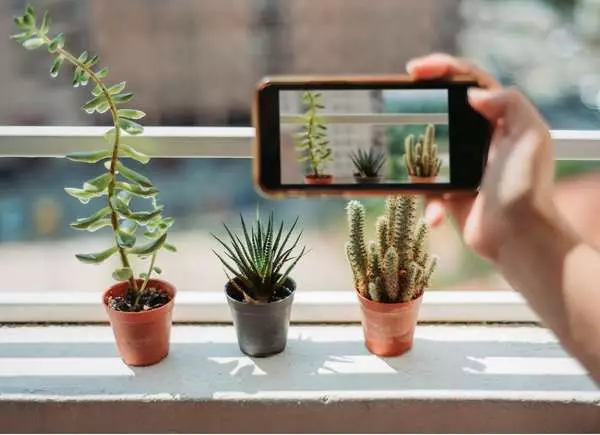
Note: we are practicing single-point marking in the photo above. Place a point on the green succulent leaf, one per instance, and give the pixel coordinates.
(122, 98)
(82, 195)
(57, 43)
(93, 61)
(102, 73)
(131, 114)
(170, 247)
(97, 184)
(111, 135)
(129, 151)
(84, 57)
(33, 43)
(103, 107)
(131, 127)
(46, 22)
(85, 223)
(137, 190)
(142, 217)
(58, 63)
(117, 89)
(132, 175)
(120, 206)
(89, 156)
(122, 274)
(125, 239)
(128, 226)
(97, 91)
(91, 106)
(150, 247)
(157, 269)
(98, 257)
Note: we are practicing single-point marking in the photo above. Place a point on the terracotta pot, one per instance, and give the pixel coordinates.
(415, 179)
(322, 179)
(389, 329)
(261, 329)
(143, 337)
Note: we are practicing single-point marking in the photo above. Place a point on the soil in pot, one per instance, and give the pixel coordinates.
(142, 337)
(321, 179)
(389, 328)
(416, 180)
(262, 329)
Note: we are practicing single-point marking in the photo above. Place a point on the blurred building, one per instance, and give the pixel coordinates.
(193, 62)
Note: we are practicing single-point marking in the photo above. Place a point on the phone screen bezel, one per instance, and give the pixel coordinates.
(469, 137)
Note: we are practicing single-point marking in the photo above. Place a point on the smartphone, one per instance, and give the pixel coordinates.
(367, 135)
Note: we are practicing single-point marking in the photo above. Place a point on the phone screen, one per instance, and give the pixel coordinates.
(404, 137)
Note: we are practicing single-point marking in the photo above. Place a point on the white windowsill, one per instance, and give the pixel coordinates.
(65, 378)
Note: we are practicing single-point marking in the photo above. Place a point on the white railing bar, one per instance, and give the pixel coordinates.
(372, 118)
(207, 142)
(309, 307)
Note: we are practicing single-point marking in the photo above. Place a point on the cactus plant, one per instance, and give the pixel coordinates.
(311, 143)
(367, 163)
(420, 158)
(395, 267)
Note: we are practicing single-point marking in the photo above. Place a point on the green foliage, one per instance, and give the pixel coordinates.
(421, 159)
(311, 143)
(261, 259)
(367, 163)
(395, 267)
(119, 182)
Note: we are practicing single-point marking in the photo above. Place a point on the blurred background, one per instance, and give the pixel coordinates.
(195, 63)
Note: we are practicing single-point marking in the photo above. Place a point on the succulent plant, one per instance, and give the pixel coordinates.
(367, 163)
(396, 267)
(117, 184)
(262, 260)
(311, 143)
(421, 159)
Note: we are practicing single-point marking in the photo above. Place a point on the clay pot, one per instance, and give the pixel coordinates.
(389, 329)
(261, 329)
(415, 179)
(143, 337)
(321, 179)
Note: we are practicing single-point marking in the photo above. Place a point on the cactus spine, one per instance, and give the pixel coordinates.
(396, 267)
(420, 158)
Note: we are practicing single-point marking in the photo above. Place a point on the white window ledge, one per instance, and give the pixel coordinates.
(463, 379)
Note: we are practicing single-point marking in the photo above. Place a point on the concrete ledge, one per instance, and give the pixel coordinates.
(466, 379)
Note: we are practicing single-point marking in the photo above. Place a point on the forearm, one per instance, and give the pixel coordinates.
(559, 275)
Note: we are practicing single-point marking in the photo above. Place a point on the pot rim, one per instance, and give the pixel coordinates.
(389, 304)
(314, 177)
(163, 285)
(416, 177)
(268, 304)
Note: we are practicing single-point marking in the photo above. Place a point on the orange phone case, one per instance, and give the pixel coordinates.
(332, 191)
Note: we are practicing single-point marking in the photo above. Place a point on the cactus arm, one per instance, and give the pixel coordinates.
(375, 293)
(390, 274)
(381, 227)
(391, 209)
(373, 267)
(409, 154)
(358, 249)
(420, 242)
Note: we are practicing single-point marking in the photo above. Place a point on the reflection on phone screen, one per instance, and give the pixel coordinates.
(364, 136)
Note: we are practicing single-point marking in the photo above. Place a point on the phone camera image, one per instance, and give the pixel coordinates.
(364, 137)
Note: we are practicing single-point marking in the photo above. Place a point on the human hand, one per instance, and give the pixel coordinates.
(518, 181)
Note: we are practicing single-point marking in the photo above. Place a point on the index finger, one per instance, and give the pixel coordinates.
(440, 65)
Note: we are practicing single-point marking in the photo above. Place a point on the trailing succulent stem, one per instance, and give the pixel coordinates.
(312, 143)
(118, 183)
(395, 267)
(368, 164)
(261, 260)
(421, 158)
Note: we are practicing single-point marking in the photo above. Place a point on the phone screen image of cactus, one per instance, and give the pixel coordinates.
(311, 143)
(117, 184)
(396, 267)
(421, 158)
(261, 260)
(368, 164)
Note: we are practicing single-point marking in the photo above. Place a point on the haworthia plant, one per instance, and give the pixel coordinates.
(311, 143)
(396, 266)
(421, 158)
(118, 184)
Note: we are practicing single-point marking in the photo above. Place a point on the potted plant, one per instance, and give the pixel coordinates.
(311, 143)
(390, 274)
(421, 160)
(139, 306)
(260, 292)
(368, 165)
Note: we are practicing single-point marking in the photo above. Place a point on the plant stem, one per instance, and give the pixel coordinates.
(149, 273)
(115, 154)
(311, 132)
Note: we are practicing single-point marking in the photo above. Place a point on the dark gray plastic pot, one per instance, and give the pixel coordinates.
(261, 329)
